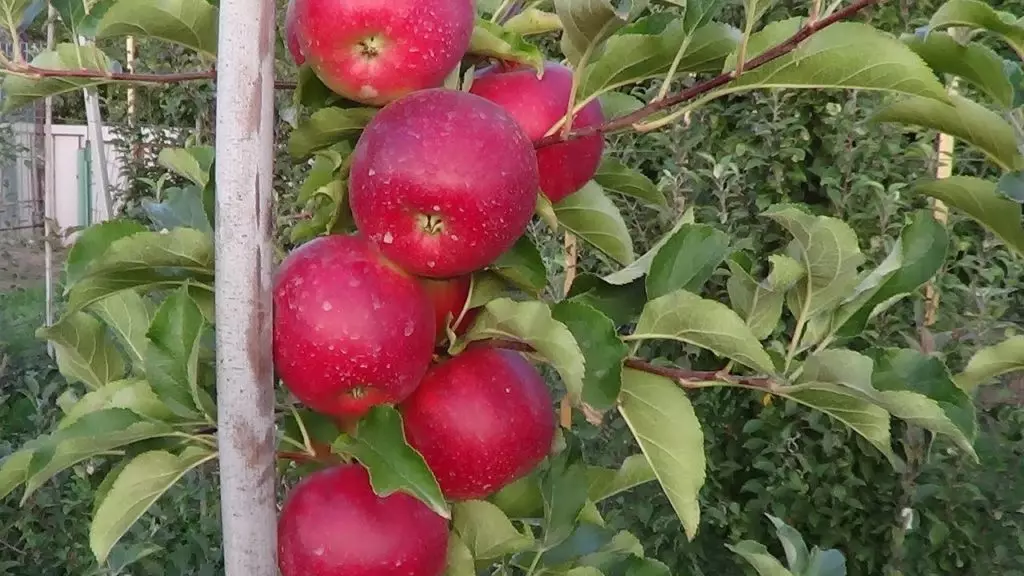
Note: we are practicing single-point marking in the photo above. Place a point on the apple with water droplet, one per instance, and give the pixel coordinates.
(373, 52)
(333, 524)
(443, 181)
(537, 104)
(481, 420)
(351, 329)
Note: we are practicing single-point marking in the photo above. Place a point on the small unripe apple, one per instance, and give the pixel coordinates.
(443, 181)
(481, 420)
(291, 37)
(449, 298)
(333, 524)
(537, 104)
(351, 329)
(374, 51)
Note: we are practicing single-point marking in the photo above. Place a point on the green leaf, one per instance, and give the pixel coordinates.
(974, 62)
(606, 482)
(91, 435)
(193, 162)
(190, 23)
(81, 19)
(147, 260)
(84, 349)
(180, 207)
(172, 358)
(523, 266)
(602, 349)
(486, 531)
(797, 555)
(487, 286)
(620, 302)
(1011, 186)
(14, 471)
(326, 127)
(460, 559)
(991, 362)
(560, 490)
(531, 322)
(708, 324)
(20, 90)
(521, 498)
(588, 23)
(664, 424)
(646, 50)
(980, 200)
(965, 119)
(828, 249)
(136, 488)
(533, 21)
(699, 13)
(93, 242)
(642, 265)
(829, 562)
(687, 260)
(754, 10)
(593, 217)
(379, 443)
(845, 55)
(586, 538)
(978, 14)
(134, 395)
(12, 12)
(128, 315)
(758, 556)
(760, 303)
(614, 176)
(493, 41)
(615, 104)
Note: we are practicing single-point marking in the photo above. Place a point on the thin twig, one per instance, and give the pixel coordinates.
(702, 88)
(30, 71)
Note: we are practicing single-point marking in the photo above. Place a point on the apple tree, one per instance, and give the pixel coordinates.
(414, 317)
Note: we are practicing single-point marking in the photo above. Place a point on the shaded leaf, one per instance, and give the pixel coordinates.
(93, 242)
(602, 349)
(758, 556)
(172, 358)
(587, 538)
(615, 104)
(588, 23)
(460, 559)
(639, 267)
(978, 14)
(1011, 186)
(797, 555)
(560, 489)
(523, 266)
(606, 482)
(494, 41)
(687, 260)
(80, 17)
(614, 176)
(991, 362)
(190, 23)
(973, 62)
(181, 207)
(760, 303)
(980, 200)
(521, 498)
(85, 351)
(486, 531)
(328, 126)
(620, 302)
(594, 218)
(21, 90)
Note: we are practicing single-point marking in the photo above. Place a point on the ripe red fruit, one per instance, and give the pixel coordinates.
(481, 420)
(374, 52)
(449, 297)
(351, 330)
(291, 36)
(443, 181)
(537, 104)
(333, 524)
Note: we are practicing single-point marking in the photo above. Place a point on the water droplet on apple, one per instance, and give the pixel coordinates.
(327, 306)
(388, 238)
(409, 328)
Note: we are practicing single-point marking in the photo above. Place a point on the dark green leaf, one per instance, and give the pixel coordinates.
(585, 539)
(1011, 186)
(523, 266)
(181, 207)
(190, 23)
(560, 489)
(326, 127)
(980, 200)
(620, 302)
(614, 176)
(593, 217)
(760, 303)
(172, 358)
(687, 260)
(602, 349)
(521, 499)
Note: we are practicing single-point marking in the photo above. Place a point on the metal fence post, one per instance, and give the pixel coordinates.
(245, 394)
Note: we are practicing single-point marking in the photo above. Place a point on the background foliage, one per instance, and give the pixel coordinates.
(735, 157)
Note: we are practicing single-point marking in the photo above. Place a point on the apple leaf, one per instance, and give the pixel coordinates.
(1011, 186)
(699, 13)
(797, 554)
(487, 286)
(642, 265)
(754, 10)
(586, 538)
(686, 317)
(991, 362)
(845, 55)
(12, 12)
(760, 303)
(523, 266)
(521, 499)
(603, 350)
(81, 18)
(128, 316)
(687, 260)
(974, 62)
(828, 249)
(663, 422)
(620, 302)
(14, 471)
(21, 90)
(604, 483)
(486, 531)
(180, 207)
(190, 23)
(93, 242)
(493, 41)
(592, 216)
(146, 260)
(614, 176)
(85, 351)
(980, 200)
(460, 558)
(647, 48)
(560, 489)
(965, 119)
(134, 395)
(615, 104)
(978, 14)
(194, 162)
(530, 322)
(326, 127)
(759, 558)
(172, 357)
(137, 486)
(586, 24)
(91, 435)
(379, 444)
(533, 21)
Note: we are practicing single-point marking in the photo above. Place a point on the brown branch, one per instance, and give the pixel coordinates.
(692, 93)
(30, 71)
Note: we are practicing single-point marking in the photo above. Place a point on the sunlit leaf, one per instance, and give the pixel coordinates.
(21, 90)
(592, 216)
(190, 23)
(991, 362)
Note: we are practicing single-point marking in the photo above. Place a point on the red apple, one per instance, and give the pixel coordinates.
(291, 36)
(374, 52)
(333, 524)
(449, 297)
(481, 420)
(443, 181)
(351, 329)
(537, 104)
